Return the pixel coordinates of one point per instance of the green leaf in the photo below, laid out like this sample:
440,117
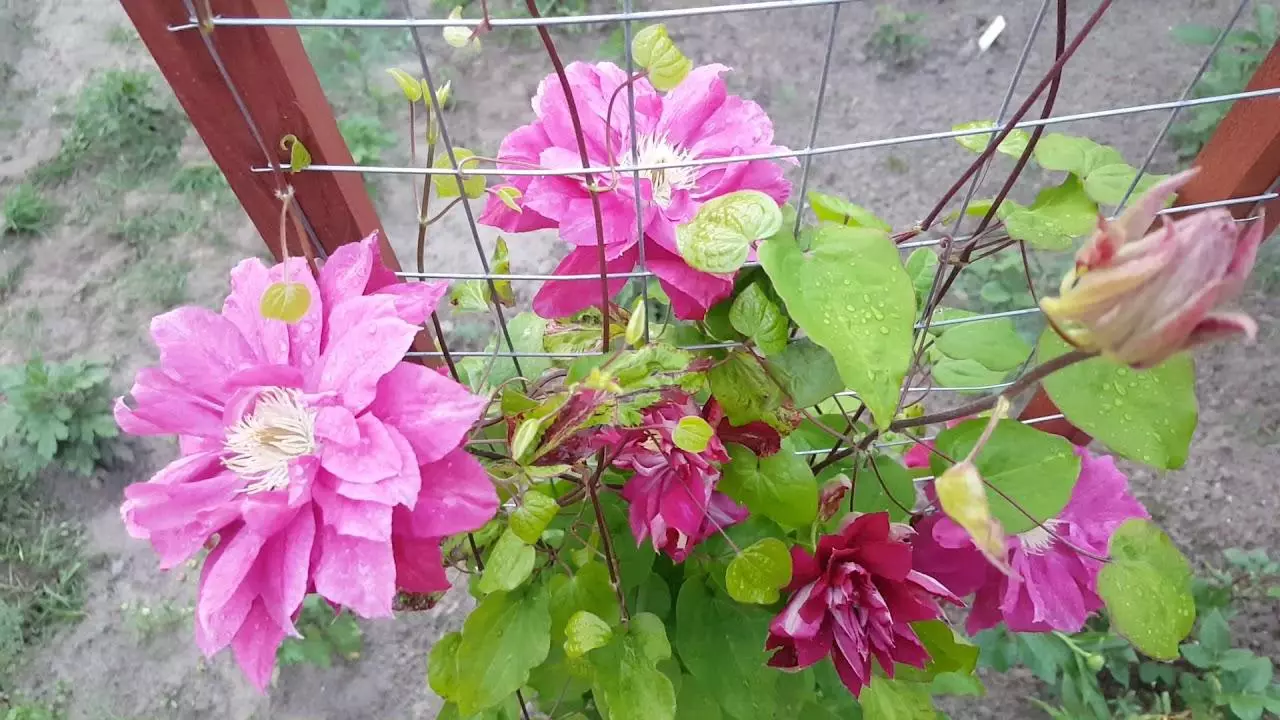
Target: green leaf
588,590
1109,183
721,643
286,302
627,684
409,85
1195,34
921,266
500,264
951,373
869,495
470,296
692,434
780,487
584,633
851,295
807,371
1077,155
830,208
533,515
508,565
1013,144
1057,217
693,702
637,323
948,651
506,636
656,52
755,575
1147,589
744,390
509,195
1144,415
719,237
753,314
995,344
1034,469
888,699
442,665
1247,707
299,156
447,185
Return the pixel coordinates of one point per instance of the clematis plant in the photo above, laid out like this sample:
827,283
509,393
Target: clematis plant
721,495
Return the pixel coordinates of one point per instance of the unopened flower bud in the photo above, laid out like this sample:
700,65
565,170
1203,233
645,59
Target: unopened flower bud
1139,297
832,495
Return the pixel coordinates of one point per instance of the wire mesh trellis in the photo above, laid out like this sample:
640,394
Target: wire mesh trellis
271,16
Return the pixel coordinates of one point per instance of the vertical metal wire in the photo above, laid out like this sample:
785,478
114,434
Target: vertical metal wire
466,202
635,162
1173,114
817,116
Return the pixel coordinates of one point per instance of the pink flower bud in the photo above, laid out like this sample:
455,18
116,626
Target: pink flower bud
1139,298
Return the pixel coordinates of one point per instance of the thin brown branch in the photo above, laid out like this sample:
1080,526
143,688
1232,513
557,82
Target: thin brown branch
606,540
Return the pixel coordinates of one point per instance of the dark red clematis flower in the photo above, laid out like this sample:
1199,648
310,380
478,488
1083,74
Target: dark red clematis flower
856,599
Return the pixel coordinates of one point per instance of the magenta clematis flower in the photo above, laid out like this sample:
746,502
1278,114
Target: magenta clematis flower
672,495
695,121
1052,586
313,458
855,599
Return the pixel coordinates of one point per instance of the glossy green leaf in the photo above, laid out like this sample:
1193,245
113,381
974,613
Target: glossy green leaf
584,633
588,590
1034,469
656,52
637,323
807,371
890,699
896,492
442,664
744,390
509,195
1144,415
627,684
851,295
948,651
458,36
447,185
951,373
526,438
534,513
719,237
409,85
922,267
1147,589
469,296
500,264
995,343
1058,216
286,302
1077,155
780,486
1013,144
299,156
508,565
755,575
506,636
721,643
755,315
693,702
692,434
829,208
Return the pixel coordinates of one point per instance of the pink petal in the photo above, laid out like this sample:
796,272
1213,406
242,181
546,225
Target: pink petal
256,644
692,292
370,341
286,560
687,108
375,457
457,496
415,301
353,518
356,572
402,488
1218,326
268,340
431,411
497,214
167,407
200,349
419,565
563,298
346,273
305,334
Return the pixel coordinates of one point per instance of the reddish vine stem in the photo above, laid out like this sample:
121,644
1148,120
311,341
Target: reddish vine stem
1054,72
589,179
606,540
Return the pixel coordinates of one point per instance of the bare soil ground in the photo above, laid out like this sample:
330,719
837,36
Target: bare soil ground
78,295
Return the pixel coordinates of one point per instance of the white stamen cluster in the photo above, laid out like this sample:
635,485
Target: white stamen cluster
260,446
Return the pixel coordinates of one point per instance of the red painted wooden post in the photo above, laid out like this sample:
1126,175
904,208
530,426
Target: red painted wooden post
1242,159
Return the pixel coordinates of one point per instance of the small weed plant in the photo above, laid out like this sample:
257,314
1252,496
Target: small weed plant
894,41
54,412
27,211
326,633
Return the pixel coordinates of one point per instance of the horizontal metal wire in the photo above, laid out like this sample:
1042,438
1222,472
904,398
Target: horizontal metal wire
899,443
825,150
496,22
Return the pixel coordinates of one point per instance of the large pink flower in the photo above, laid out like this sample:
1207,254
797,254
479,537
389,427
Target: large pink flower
317,458
696,120
1053,587
672,493
855,599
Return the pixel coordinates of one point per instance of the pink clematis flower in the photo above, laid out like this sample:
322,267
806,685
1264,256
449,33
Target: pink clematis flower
856,599
313,458
672,495
697,120
1052,587
1140,297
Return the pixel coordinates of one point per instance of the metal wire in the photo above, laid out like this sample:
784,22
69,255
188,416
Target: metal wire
817,116
635,160
804,152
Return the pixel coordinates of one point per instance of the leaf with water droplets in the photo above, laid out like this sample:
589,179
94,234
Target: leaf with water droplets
508,565
851,295
1077,155
692,434
1147,589
829,208
1144,415
656,52
755,315
721,642
286,302
533,515
719,238
1058,216
584,633
755,575
1109,183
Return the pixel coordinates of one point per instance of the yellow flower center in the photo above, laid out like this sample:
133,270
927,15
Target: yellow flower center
260,446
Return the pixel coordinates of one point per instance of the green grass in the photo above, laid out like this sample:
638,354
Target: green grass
149,622
121,124
894,41
202,180
366,138
154,226
27,211
159,282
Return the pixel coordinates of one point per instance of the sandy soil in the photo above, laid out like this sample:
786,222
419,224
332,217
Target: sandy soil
70,302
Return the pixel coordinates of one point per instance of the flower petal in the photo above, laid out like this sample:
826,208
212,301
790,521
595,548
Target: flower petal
563,298
457,496
367,340
356,572
431,411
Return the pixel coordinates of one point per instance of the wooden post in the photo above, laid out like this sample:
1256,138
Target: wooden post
1242,159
